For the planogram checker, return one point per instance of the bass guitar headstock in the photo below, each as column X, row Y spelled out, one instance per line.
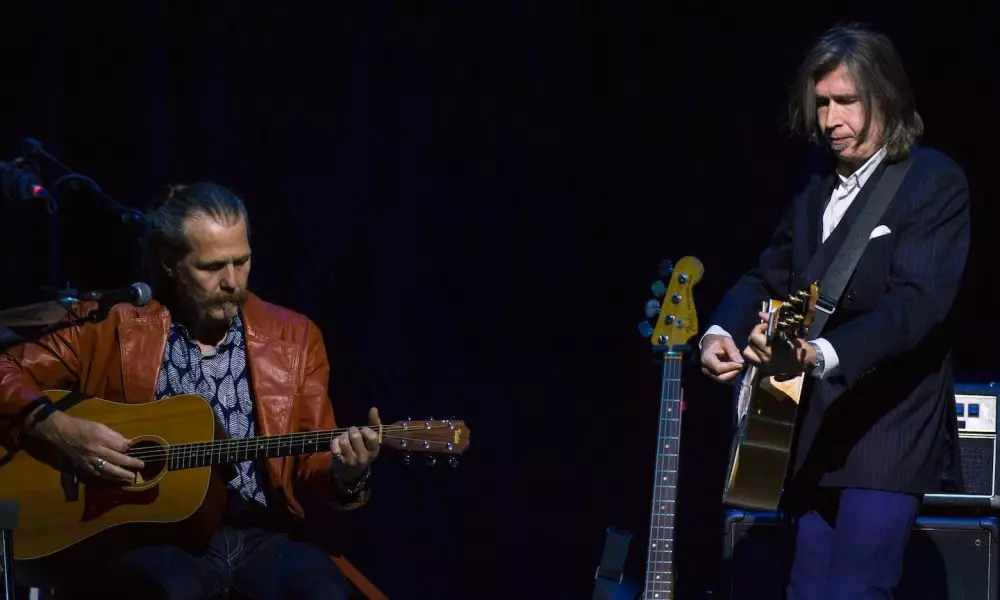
column 676, row 320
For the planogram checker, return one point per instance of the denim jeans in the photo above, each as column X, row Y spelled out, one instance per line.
column 248, row 562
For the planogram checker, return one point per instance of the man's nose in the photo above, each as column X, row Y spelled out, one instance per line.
column 834, row 117
column 228, row 281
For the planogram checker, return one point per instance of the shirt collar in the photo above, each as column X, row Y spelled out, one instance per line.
column 861, row 175
column 233, row 335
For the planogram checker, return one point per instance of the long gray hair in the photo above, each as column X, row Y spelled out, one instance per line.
column 882, row 83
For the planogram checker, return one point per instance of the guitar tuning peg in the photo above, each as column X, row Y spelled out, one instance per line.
column 666, row 268
column 659, row 288
column 407, row 459
column 431, row 461
column 645, row 329
column 452, row 462
column 652, row 309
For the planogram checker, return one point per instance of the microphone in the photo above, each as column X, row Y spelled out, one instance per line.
column 19, row 184
column 138, row 294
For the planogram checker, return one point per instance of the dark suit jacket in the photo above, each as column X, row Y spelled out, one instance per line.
column 887, row 421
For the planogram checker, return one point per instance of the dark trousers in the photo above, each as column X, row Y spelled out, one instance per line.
column 250, row 563
column 849, row 544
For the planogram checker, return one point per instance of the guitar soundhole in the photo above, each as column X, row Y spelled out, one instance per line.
column 151, row 453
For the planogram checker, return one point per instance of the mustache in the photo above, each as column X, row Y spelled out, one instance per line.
column 236, row 297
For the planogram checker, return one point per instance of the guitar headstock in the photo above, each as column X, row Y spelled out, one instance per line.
column 676, row 320
column 792, row 319
column 441, row 436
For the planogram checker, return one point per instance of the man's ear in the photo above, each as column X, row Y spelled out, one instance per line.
column 167, row 268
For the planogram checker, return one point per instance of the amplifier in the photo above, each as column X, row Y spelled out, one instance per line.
column 976, row 407
column 947, row 558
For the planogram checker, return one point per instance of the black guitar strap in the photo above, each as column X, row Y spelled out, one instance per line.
column 832, row 285
column 611, row 569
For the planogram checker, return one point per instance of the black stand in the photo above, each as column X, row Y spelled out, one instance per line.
column 8, row 523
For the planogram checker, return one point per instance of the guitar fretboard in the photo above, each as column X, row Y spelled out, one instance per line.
column 189, row 456
column 659, row 559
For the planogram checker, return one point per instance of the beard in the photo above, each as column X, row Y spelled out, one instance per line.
column 222, row 307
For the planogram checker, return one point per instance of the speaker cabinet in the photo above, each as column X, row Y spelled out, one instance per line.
column 976, row 406
column 947, row 558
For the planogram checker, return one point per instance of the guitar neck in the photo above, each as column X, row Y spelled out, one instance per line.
column 443, row 435
column 237, row 450
column 659, row 559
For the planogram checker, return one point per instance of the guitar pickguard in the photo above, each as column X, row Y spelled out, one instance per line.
column 99, row 499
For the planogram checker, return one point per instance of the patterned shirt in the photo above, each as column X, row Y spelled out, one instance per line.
column 221, row 377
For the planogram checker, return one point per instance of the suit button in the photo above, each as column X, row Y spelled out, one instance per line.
column 851, row 295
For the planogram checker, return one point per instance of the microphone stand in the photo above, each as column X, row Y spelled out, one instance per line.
column 9, row 510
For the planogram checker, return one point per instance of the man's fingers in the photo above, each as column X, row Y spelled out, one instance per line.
column 102, row 467
column 751, row 355
column 118, row 458
column 727, row 377
column 716, row 366
column 347, row 448
column 358, row 444
column 370, row 438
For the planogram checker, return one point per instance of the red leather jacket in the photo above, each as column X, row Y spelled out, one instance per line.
column 118, row 359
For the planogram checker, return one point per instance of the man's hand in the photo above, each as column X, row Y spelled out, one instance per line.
column 355, row 449
column 720, row 359
column 95, row 448
column 783, row 358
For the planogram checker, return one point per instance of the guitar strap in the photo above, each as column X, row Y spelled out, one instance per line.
column 611, row 569
column 832, row 285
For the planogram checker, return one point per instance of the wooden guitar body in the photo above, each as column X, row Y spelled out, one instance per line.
column 58, row 509
column 179, row 498
column 763, row 445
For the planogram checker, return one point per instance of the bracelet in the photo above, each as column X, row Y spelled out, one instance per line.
column 355, row 487
column 43, row 413
column 47, row 408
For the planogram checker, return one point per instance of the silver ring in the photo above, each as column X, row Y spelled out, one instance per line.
column 100, row 464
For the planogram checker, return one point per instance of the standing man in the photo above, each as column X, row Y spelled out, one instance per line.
column 877, row 426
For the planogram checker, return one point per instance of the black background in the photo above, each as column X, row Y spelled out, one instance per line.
column 471, row 199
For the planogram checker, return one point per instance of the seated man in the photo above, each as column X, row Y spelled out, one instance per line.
column 264, row 371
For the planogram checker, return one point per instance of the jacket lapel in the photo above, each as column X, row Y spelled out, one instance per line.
column 273, row 365
column 827, row 251
column 809, row 225
column 142, row 341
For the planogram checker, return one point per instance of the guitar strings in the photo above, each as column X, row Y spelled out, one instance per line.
column 288, row 438
column 268, row 442
column 659, row 567
column 165, row 453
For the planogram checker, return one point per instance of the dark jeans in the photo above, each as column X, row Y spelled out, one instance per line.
column 246, row 562
column 850, row 545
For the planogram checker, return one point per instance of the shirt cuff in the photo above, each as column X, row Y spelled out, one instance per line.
column 831, row 363
column 714, row 330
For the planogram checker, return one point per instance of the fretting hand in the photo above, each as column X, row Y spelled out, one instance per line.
column 781, row 358
column 355, row 449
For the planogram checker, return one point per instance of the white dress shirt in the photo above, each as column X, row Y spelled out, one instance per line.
column 840, row 201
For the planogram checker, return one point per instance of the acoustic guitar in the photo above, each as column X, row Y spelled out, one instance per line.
column 767, row 410
column 181, row 491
